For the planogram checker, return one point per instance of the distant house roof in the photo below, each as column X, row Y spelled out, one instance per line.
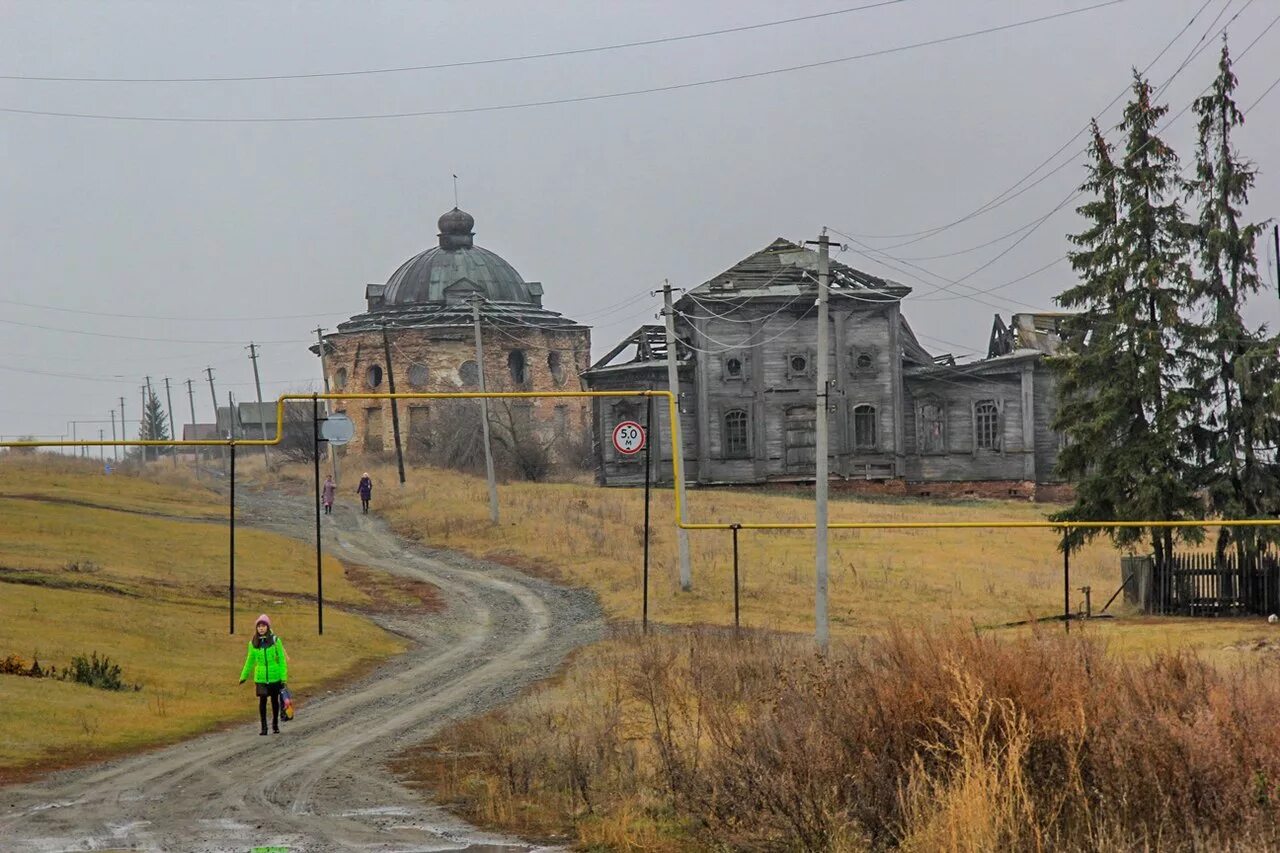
column 256, row 413
column 200, row 432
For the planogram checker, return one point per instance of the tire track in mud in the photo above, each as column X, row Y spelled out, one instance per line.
column 322, row 785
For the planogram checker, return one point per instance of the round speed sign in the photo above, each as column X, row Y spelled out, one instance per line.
column 628, row 437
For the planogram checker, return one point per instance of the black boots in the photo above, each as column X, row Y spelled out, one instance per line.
column 264, row 729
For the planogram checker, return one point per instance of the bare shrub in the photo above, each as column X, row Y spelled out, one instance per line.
column 914, row 741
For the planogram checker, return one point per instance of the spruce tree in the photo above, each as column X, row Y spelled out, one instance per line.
column 1236, row 368
column 154, row 427
column 1124, row 397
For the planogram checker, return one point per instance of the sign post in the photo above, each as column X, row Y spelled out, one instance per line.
column 629, row 438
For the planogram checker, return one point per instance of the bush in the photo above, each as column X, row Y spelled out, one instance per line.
column 96, row 672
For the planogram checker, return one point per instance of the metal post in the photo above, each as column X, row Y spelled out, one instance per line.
column 395, row 411
column 736, row 621
column 231, row 583
column 484, row 415
column 173, row 432
column 142, row 420
column 74, row 450
column 822, row 631
column 648, row 477
column 315, row 456
column 262, row 425
column 1066, row 579
column 102, row 451
column 673, row 385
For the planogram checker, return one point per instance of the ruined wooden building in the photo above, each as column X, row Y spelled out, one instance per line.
column 426, row 309
column 901, row 419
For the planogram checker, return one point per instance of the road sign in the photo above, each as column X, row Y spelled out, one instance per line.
column 628, row 438
column 337, row 429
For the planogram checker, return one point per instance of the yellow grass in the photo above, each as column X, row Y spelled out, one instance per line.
column 149, row 591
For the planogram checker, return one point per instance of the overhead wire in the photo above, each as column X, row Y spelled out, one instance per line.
column 500, row 107
column 525, row 57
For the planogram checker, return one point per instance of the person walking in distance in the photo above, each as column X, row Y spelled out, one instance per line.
column 269, row 666
column 327, row 492
column 365, row 489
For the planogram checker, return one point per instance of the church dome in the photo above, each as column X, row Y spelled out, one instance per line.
column 455, row 269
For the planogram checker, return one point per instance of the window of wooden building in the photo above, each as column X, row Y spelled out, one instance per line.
column 865, row 428
column 931, row 426
column 735, row 435
column 986, row 425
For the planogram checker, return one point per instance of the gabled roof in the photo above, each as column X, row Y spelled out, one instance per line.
column 784, row 268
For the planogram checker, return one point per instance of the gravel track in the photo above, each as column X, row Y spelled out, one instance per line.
column 322, row 784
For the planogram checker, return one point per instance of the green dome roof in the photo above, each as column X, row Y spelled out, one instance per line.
column 455, row 269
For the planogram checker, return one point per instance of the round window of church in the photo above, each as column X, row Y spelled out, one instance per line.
column 469, row 373
column 373, row 377
column 340, row 379
column 418, row 375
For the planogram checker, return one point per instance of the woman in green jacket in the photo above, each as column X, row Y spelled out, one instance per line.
column 269, row 666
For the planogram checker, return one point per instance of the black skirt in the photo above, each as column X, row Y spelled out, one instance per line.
column 271, row 689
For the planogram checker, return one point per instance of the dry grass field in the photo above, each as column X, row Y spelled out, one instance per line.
column 91, row 563
column 879, row 579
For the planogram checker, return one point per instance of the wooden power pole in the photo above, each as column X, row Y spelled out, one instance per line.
column 673, row 385
column 484, row 414
column 395, row 410
column 257, row 382
column 821, row 440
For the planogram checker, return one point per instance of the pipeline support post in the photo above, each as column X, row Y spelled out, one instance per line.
column 1066, row 579
column 736, row 621
column 315, row 458
column 231, row 551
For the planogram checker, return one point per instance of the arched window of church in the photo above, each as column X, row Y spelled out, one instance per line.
column 469, row 374
column 865, row 434
column 556, row 366
column 418, row 375
column 340, row 379
column 373, row 376
column 986, row 425
column 736, row 445
column 518, row 367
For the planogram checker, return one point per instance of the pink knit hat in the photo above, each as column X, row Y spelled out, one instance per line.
column 263, row 618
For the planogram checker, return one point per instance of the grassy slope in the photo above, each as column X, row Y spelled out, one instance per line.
column 154, row 601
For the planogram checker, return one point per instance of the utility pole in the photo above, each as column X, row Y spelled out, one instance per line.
column 395, row 411
column 262, row 426
column 124, row 433
column 673, row 384
column 821, row 627
column 191, row 399
column 115, row 448
column 173, row 433
column 102, row 451
column 324, row 374
column 208, row 371
column 484, row 415
column 231, row 418
column 74, row 450
column 1275, row 236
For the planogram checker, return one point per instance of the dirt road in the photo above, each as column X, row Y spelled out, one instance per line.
column 321, row 785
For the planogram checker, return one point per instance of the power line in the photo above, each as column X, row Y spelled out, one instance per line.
column 525, row 57
column 170, row 319
column 137, row 337
column 1001, row 199
column 571, row 100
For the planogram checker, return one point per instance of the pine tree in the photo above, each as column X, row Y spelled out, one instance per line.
column 1124, row 401
column 154, row 427
column 1237, row 368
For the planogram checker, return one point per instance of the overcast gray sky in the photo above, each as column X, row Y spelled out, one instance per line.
column 253, row 223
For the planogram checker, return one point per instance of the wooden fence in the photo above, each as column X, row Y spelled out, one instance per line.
column 1203, row 585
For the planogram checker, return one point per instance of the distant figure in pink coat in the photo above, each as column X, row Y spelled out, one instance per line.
column 326, row 494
